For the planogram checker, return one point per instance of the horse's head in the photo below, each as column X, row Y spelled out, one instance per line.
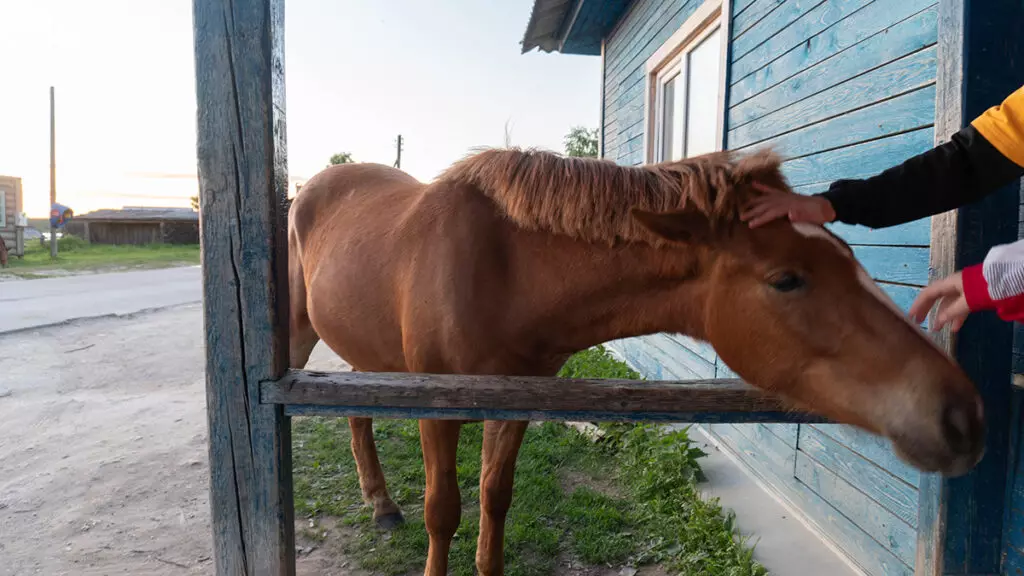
column 791, row 310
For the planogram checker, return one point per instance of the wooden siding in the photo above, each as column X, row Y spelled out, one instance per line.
column 843, row 89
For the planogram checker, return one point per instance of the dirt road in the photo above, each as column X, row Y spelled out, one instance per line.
column 103, row 458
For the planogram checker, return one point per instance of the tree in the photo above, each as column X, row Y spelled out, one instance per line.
column 195, row 202
column 342, row 158
column 581, row 142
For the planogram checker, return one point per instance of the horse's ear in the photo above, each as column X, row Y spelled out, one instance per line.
column 686, row 226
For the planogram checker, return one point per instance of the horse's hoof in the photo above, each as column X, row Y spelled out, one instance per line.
column 390, row 521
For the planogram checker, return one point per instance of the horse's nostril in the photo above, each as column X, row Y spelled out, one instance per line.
column 959, row 428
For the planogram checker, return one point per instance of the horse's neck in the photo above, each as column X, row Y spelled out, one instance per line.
column 582, row 294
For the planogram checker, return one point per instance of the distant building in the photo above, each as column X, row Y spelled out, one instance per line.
column 10, row 208
column 137, row 225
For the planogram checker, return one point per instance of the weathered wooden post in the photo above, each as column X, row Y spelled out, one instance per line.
column 239, row 50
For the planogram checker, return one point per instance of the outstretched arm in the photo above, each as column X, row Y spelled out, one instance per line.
column 995, row 284
column 974, row 163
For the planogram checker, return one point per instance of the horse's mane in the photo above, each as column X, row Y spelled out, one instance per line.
column 591, row 199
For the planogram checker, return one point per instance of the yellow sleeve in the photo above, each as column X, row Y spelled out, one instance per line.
column 1003, row 126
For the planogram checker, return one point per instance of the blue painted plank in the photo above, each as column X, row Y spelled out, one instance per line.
column 805, row 27
column 785, row 432
column 772, row 67
column 658, row 358
column 834, row 526
column 703, row 349
column 678, row 362
column 638, row 355
column 896, row 264
column 769, row 451
column 911, row 111
column 913, row 34
column 775, row 21
column 744, row 21
column 739, row 6
column 636, row 14
column 916, row 233
column 881, row 486
column 903, row 75
column 1014, row 564
column 1014, row 531
column 623, row 41
column 885, row 527
column 723, row 371
column 874, row 448
column 902, row 295
column 858, row 161
column 654, row 32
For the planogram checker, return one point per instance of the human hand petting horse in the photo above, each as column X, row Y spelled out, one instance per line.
column 511, row 261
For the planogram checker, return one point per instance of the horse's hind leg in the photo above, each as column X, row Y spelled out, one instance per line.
column 501, row 447
column 442, row 509
column 371, row 476
column 302, row 338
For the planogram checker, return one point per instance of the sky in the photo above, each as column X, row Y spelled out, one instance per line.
column 446, row 74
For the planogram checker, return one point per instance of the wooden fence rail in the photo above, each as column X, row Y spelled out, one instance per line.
column 461, row 397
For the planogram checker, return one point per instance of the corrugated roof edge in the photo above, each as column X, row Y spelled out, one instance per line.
column 544, row 30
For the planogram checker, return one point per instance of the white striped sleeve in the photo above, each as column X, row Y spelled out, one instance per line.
column 1004, row 270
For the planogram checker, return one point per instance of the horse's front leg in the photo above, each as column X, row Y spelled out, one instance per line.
column 442, row 508
column 371, row 477
column 497, row 472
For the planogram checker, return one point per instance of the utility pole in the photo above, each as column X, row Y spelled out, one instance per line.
column 398, row 160
column 53, row 175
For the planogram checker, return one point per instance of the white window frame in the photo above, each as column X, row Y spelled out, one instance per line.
column 671, row 58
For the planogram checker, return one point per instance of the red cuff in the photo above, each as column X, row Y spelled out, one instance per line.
column 976, row 289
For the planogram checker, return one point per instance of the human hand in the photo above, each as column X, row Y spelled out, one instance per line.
column 775, row 204
column 953, row 308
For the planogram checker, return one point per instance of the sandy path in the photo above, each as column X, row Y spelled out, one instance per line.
column 103, row 458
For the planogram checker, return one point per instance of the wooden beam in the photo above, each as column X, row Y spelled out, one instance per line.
column 524, row 398
column 239, row 61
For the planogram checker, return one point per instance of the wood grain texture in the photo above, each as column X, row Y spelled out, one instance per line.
column 898, row 77
column 810, row 50
column 911, row 35
column 905, row 113
column 476, row 414
column 517, row 394
column 772, row 24
column 888, row 530
column 899, row 264
column 860, row 547
column 747, row 18
column 876, row 449
column 798, row 32
column 859, row 161
column 892, row 494
column 239, row 52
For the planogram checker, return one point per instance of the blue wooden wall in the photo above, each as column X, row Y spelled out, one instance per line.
column 843, row 88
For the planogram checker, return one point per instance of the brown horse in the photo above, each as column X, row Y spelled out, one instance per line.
column 512, row 261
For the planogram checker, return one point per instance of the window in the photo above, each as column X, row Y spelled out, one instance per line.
column 3, row 208
column 685, row 84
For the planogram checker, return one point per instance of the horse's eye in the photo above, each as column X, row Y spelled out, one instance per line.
column 786, row 282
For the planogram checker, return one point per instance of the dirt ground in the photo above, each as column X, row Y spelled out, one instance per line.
column 103, row 457
column 103, row 454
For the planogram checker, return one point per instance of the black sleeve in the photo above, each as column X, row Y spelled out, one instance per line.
column 961, row 171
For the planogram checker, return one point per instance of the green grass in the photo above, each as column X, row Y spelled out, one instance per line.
column 75, row 255
column 628, row 500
